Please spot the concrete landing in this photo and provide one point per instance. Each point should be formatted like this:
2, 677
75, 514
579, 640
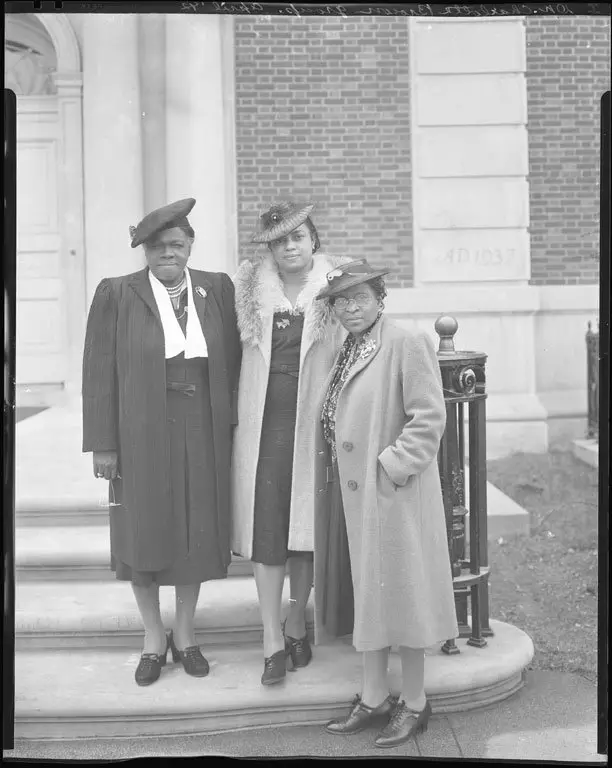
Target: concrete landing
92, 694
504, 516
587, 451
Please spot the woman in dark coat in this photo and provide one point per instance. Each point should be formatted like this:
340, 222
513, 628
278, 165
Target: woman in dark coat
160, 372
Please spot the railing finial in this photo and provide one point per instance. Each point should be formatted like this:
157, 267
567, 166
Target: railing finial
446, 327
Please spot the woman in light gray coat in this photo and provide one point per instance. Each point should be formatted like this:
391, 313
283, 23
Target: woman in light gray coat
383, 417
289, 343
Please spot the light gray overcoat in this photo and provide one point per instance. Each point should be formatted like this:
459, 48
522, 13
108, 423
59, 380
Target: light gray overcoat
389, 422
259, 293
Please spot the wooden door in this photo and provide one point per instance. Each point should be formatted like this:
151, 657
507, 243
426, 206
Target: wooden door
41, 353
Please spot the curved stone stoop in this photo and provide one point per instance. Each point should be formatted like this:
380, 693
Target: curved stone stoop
92, 694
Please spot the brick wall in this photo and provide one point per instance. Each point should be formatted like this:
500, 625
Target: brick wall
323, 113
568, 69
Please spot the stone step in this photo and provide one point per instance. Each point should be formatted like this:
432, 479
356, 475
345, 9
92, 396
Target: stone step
54, 482
75, 552
58, 516
587, 451
73, 694
98, 614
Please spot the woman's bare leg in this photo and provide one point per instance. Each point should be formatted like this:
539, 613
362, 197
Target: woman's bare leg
147, 599
269, 580
186, 602
413, 677
375, 687
300, 578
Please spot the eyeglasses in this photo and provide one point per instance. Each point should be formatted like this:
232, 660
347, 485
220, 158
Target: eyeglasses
362, 300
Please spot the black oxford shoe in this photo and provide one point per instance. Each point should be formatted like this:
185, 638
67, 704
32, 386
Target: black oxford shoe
299, 650
191, 658
275, 667
403, 725
361, 717
150, 666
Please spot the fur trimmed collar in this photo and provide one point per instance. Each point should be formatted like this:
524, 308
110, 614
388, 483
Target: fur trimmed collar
259, 294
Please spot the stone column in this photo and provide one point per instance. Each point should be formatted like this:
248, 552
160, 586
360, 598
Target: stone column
200, 154
112, 145
152, 74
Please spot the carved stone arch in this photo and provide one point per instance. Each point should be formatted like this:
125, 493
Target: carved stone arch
65, 42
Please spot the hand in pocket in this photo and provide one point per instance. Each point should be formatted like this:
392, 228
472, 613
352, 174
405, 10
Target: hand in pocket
384, 481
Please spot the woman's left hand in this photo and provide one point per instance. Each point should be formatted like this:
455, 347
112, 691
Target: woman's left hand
383, 477
105, 465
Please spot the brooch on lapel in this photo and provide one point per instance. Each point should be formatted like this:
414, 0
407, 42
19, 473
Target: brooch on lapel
367, 349
282, 324
200, 291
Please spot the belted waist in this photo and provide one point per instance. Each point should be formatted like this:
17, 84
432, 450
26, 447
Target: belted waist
181, 386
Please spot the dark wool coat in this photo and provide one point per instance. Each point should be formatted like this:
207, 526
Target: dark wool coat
124, 408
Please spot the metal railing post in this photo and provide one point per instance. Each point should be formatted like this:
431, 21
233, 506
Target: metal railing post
463, 380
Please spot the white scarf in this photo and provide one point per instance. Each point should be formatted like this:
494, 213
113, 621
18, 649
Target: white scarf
194, 345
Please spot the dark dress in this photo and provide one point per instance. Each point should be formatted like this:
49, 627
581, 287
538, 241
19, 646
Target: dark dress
337, 597
125, 400
275, 464
192, 475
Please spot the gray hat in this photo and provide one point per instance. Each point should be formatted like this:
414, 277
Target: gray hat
281, 219
350, 274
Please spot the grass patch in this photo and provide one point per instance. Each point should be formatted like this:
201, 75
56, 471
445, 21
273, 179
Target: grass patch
546, 584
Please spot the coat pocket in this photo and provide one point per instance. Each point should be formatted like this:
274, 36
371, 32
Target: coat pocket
384, 485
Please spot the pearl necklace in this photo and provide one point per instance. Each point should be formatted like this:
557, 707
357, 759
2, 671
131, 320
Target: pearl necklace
176, 291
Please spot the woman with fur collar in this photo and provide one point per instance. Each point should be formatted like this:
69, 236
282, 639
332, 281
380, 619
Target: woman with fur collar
289, 343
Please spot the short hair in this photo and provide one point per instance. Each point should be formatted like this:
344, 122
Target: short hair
188, 230
313, 233
378, 286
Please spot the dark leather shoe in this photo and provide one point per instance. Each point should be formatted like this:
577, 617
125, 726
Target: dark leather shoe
361, 717
191, 658
150, 666
300, 650
275, 667
403, 725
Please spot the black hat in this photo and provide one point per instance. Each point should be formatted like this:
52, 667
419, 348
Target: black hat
349, 274
280, 220
173, 215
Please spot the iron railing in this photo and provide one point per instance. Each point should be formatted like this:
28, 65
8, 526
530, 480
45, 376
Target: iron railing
592, 345
463, 379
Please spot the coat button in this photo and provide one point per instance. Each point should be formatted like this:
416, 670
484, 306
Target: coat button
353, 485
347, 446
